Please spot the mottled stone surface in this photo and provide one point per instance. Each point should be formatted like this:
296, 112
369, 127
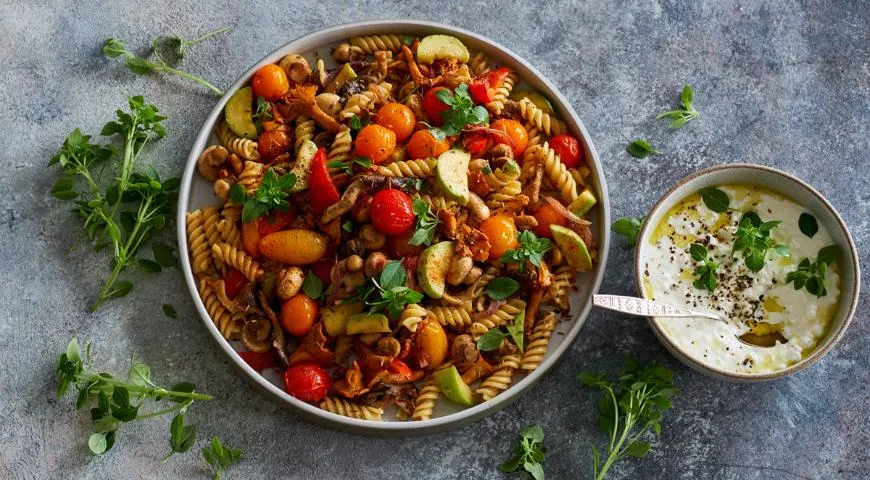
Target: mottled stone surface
780, 83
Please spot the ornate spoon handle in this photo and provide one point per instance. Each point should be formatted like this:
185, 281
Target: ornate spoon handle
648, 308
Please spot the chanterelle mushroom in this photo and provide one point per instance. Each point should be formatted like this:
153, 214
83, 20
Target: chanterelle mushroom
210, 161
299, 99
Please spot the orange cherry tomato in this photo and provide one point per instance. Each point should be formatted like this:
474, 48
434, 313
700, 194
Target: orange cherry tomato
423, 145
272, 143
515, 131
376, 142
399, 247
270, 82
546, 215
251, 238
568, 149
433, 106
398, 118
298, 314
502, 234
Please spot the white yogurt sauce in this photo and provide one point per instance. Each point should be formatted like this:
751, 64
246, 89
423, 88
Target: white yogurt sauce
743, 295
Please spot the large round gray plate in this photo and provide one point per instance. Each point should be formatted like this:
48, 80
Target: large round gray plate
197, 192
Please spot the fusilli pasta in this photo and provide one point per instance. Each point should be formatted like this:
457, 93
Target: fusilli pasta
424, 167
371, 43
242, 147
539, 342
340, 406
501, 379
237, 259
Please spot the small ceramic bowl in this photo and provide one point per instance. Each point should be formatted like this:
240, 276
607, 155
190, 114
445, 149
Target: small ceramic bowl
790, 187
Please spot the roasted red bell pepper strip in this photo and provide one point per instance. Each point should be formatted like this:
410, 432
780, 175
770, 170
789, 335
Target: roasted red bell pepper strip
234, 280
482, 90
260, 361
274, 222
322, 191
475, 144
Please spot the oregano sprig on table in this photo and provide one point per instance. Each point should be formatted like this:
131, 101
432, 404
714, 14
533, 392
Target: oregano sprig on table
686, 113
118, 402
220, 457
630, 407
528, 454
125, 206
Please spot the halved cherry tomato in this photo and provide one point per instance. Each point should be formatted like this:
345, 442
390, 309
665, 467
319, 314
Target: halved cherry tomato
502, 234
475, 143
234, 280
433, 106
260, 361
392, 211
251, 238
323, 193
546, 215
298, 314
275, 221
399, 367
322, 268
423, 145
568, 149
398, 118
308, 382
270, 82
519, 137
272, 143
376, 142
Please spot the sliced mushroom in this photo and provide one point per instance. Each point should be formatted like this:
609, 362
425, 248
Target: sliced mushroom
255, 335
296, 67
211, 160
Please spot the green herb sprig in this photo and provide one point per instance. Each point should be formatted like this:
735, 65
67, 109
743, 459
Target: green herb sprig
640, 148
808, 225
500, 288
388, 292
492, 339
812, 274
347, 166
462, 112
126, 206
113, 48
705, 269
752, 239
528, 455
118, 402
631, 406
424, 227
531, 249
629, 228
220, 457
687, 111
270, 195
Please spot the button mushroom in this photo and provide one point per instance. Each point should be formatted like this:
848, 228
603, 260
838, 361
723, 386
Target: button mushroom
289, 282
211, 160
296, 67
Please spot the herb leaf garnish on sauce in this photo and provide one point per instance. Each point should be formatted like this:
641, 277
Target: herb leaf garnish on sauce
714, 199
812, 274
706, 269
808, 225
753, 240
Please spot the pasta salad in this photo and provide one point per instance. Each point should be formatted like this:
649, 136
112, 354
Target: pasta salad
400, 229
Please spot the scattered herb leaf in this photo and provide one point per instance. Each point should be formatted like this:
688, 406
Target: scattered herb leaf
531, 249
640, 148
388, 292
461, 112
687, 111
528, 454
490, 340
705, 269
424, 228
500, 288
312, 285
347, 166
808, 224
629, 228
169, 310
220, 457
811, 275
752, 239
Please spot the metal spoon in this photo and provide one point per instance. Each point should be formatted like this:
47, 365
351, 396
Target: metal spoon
647, 308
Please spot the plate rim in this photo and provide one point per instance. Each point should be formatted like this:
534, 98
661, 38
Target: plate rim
400, 428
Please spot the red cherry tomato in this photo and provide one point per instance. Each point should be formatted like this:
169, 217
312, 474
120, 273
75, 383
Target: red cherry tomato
568, 149
321, 270
272, 143
433, 106
323, 191
399, 368
233, 282
308, 382
259, 361
475, 143
392, 212
274, 222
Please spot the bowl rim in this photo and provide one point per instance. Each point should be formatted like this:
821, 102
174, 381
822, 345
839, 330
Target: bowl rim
312, 412
681, 354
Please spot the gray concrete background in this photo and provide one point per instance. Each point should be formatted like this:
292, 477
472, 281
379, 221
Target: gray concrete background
779, 83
